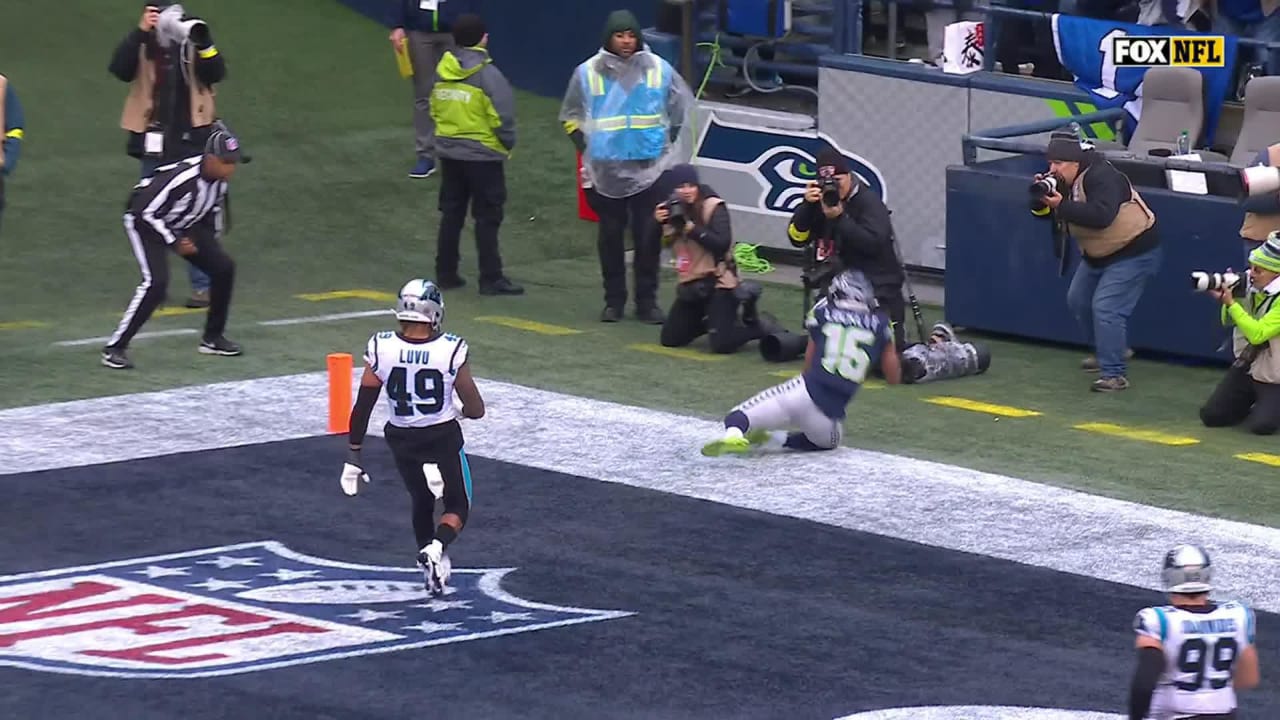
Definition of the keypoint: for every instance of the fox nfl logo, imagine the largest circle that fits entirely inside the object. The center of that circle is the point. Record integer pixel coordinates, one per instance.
(1186, 51)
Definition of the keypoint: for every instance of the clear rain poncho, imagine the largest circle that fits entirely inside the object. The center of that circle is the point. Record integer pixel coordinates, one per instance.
(632, 133)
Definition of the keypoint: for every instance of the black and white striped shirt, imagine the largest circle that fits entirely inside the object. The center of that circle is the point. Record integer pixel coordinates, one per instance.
(175, 198)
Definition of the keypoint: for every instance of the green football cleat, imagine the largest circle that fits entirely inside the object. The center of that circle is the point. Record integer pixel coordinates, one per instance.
(758, 437)
(719, 447)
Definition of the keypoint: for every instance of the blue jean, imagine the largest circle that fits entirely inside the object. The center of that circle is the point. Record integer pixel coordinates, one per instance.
(199, 281)
(1101, 299)
(1267, 31)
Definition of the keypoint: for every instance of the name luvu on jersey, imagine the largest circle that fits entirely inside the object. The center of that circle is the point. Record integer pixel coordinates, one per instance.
(417, 375)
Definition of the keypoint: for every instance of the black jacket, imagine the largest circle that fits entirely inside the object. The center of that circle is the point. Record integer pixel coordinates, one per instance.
(1105, 190)
(862, 236)
(180, 139)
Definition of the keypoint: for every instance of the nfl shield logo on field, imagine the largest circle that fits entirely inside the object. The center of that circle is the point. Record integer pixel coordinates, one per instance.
(248, 607)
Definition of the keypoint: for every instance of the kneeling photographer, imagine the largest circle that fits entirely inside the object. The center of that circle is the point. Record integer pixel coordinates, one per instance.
(850, 228)
(1251, 388)
(1120, 249)
(695, 223)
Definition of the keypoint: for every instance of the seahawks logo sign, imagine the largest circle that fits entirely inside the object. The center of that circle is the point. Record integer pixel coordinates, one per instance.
(766, 170)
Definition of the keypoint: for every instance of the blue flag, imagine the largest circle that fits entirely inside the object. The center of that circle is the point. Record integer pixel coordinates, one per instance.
(1084, 48)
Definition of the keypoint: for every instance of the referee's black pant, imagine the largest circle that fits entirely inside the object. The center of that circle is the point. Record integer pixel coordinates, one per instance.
(153, 260)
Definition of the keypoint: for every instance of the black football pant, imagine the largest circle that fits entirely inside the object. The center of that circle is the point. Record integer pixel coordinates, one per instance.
(153, 260)
(616, 214)
(483, 186)
(716, 315)
(441, 446)
(1239, 398)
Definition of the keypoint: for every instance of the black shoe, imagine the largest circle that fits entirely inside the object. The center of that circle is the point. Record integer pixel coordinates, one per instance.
(501, 286)
(748, 293)
(219, 346)
(115, 359)
(611, 314)
(450, 282)
(650, 314)
(198, 299)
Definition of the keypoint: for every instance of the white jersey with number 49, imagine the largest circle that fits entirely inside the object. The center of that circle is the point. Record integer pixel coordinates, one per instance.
(417, 376)
(1200, 651)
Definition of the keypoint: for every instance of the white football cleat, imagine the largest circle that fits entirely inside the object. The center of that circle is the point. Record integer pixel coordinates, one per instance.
(436, 567)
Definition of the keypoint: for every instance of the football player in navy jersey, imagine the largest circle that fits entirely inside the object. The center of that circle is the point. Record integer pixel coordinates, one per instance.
(847, 333)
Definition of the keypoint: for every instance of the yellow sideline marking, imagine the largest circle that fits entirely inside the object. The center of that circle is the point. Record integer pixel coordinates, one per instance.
(700, 356)
(349, 294)
(171, 311)
(21, 325)
(1265, 459)
(868, 385)
(1150, 436)
(530, 325)
(976, 406)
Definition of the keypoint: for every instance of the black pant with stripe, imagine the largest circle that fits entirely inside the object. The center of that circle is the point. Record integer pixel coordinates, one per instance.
(440, 446)
(153, 260)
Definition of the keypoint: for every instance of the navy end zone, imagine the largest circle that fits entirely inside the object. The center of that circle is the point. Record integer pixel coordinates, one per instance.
(241, 583)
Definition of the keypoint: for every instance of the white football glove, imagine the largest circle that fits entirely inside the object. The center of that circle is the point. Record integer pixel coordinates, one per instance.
(353, 473)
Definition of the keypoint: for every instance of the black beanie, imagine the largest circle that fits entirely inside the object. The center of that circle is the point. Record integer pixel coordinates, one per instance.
(468, 30)
(830, 157)
(1065, 147)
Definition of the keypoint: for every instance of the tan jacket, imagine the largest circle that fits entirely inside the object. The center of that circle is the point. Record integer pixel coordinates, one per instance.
(1256, 226)
(1133, 219)
(1266, 366)
(139, 105)
(694, 262)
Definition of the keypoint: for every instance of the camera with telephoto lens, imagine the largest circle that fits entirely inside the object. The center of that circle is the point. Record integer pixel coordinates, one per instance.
(676, 216)
(830, 187)
(1206, 281)
(1260, 180)
(1046, 185)
(175, 27)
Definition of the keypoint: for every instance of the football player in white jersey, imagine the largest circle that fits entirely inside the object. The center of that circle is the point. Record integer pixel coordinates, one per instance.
(1193, 654)
(421, 367)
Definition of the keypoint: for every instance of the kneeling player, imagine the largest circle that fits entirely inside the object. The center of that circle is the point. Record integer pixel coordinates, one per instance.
(421, 368)
(1192, 654)
(845, 332)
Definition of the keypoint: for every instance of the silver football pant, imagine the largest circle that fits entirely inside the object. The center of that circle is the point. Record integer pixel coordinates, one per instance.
(789, 407)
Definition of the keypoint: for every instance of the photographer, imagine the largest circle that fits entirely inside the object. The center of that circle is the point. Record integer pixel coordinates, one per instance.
(852, 230)
(695, 223)
(1251, 388)
(171, 65)
(1118, 243)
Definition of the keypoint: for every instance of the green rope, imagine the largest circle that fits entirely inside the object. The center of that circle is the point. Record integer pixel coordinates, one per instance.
(748, 261)
(712, 64)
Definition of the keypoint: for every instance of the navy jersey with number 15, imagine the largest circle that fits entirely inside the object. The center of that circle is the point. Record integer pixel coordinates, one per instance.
(847, 345)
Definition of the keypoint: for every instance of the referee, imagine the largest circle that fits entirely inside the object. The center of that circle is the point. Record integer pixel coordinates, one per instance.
(161, 215)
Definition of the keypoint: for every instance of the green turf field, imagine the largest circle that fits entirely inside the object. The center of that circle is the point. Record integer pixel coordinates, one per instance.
(326, 207)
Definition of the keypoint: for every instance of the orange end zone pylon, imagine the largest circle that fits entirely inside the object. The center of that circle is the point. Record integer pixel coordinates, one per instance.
(339, 392)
